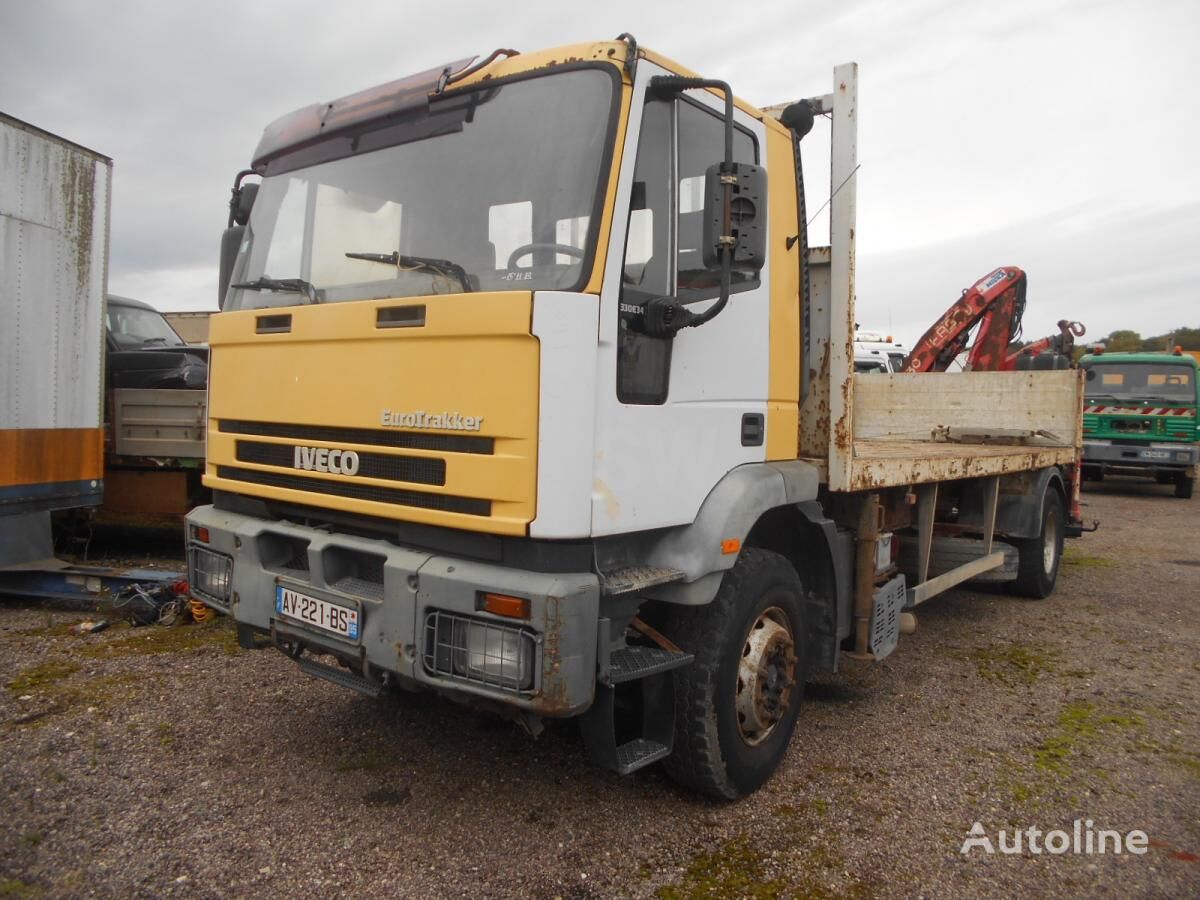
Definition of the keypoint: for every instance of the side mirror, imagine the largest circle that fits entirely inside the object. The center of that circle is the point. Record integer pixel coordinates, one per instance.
(735, 216)
(242, 202)
(231, 241)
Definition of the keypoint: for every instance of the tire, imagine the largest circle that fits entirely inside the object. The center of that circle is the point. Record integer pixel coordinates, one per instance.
(1183, 487)
(757, 614)
(1040, 558)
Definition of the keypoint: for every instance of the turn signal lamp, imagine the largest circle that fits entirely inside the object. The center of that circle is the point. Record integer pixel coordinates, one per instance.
(200, 533)
(504, 605)
(731, 545)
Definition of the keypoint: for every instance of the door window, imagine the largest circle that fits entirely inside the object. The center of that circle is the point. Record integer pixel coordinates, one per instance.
(679, 140)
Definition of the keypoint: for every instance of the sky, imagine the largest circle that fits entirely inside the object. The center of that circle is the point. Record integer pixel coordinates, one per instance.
(1056, 135)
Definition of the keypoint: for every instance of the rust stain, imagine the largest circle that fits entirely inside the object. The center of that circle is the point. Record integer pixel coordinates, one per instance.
(78, 190)
(553, 698)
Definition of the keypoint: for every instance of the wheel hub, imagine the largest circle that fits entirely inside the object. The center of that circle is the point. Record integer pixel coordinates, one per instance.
(1050, 544)
(766, 676)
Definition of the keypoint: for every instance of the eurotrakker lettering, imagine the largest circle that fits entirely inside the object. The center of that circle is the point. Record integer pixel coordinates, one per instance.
(446, 421)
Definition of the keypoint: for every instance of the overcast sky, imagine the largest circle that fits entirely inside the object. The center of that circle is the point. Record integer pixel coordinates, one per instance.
(1058, 135)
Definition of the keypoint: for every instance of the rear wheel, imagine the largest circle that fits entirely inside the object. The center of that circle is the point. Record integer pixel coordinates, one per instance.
(736, 704)
(1039, 558)
(1183, 487)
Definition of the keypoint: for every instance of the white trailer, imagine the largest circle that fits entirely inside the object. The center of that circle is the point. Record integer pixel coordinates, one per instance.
(54, 223)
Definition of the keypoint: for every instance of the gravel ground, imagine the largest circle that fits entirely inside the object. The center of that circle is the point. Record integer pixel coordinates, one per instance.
(166, 762)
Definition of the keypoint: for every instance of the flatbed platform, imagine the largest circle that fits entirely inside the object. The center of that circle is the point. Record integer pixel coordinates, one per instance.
(921, 428)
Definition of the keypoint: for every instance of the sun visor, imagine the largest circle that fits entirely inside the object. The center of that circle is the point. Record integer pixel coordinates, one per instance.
(384, 102)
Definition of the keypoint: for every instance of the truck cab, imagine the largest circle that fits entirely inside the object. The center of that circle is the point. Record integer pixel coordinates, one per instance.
(1139, 417)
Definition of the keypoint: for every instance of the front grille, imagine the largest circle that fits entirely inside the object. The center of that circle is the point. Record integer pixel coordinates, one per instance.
(407, 440)
(370, 465)
(470, 506)
(480, 651)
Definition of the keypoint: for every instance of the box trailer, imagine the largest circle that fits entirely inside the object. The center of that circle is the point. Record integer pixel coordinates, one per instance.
(54, 218)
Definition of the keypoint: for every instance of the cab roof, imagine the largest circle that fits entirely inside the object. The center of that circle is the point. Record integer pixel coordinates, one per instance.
(1182, 359)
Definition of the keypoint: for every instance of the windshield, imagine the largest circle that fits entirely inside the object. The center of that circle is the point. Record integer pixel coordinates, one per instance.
(494, 189)
(1140, 381)
(134, 328)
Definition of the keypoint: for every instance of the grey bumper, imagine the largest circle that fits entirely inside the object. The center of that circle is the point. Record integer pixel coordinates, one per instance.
(1156, 455)
(403, 597)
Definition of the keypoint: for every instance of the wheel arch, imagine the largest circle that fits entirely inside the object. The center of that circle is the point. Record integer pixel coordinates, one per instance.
(1022, 497)
(821, 556)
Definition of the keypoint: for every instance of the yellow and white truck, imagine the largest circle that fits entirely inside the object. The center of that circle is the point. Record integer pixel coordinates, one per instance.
(528, 390)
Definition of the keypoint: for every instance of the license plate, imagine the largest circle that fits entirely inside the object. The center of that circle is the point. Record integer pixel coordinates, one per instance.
(1156, 454)
(332, 617)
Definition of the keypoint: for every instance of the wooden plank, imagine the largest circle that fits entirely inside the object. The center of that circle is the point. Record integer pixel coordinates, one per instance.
(916, 406)
(947, 580)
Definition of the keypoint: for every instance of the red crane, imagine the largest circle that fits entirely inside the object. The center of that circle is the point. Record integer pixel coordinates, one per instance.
(995, 303)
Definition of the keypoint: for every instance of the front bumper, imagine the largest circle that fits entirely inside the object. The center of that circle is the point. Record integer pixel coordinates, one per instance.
(1155, 456)
(405, 597)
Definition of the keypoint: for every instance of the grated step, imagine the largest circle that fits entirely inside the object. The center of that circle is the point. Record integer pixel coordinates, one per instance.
(637, 578)
(639, 753)
(340, 677)
(631, 663)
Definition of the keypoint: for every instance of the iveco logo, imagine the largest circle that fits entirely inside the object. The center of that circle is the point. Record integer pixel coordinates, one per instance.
(322, 459)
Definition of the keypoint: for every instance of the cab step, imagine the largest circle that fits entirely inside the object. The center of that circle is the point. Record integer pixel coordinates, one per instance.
(340, 677)
(642, 676)
(632, 663)
(637, 578)
(639, 753)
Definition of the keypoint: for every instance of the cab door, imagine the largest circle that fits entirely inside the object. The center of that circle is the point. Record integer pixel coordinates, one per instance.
(674, 415)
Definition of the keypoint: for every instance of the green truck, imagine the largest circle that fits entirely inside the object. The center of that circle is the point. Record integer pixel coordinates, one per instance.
(1139, 417)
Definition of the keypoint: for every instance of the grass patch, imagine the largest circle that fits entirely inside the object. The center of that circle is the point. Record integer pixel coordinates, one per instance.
(1072, 557)
(1012, 664)
(1078, 725)
(65, 693)
(732, 870)
(364, 762)
(1189, 763)
(14, 887)
(43, 675)
(151, 639)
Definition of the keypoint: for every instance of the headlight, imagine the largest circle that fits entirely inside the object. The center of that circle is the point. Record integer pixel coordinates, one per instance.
(209, 574)
(479, 651)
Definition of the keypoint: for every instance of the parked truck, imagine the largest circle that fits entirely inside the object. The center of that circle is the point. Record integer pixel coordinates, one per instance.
(154, 424)
(529, 391)
(54, 209)
(1139, 417)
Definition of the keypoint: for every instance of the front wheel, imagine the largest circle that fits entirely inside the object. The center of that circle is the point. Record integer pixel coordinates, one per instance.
(1039, 558)
(736, 704)
(1183, 487)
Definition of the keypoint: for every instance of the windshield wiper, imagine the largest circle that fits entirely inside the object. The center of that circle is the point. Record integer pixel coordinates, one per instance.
(287, 285)
(438, 266)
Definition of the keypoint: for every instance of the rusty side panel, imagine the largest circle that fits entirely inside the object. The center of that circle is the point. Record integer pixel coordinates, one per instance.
(879, 464)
